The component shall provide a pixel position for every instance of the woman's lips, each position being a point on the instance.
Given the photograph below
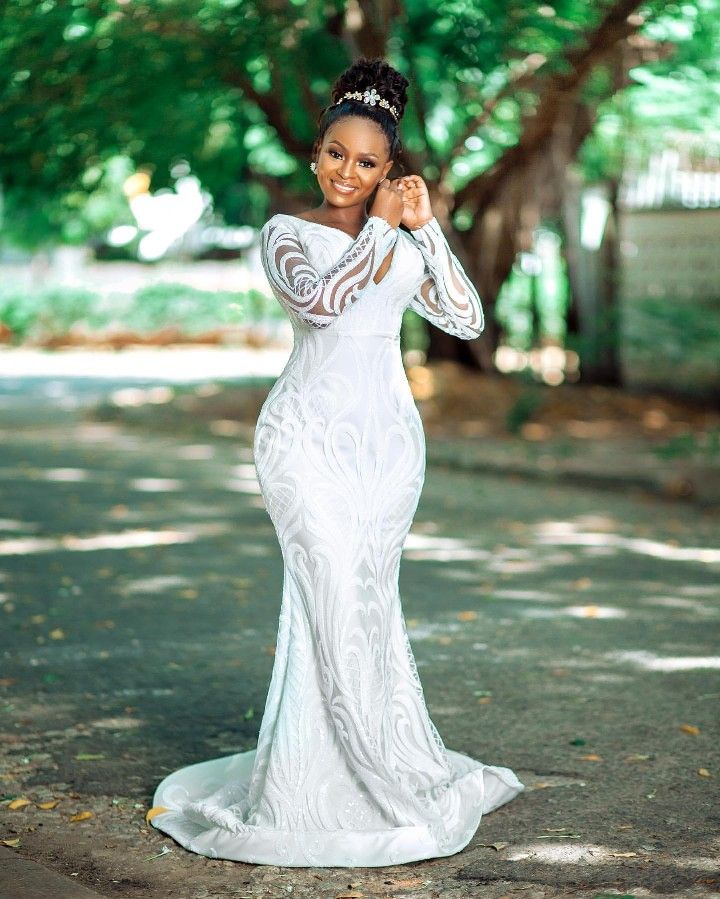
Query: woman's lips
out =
(342, 190)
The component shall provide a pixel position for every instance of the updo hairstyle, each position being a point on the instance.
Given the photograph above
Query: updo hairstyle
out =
(365, 74)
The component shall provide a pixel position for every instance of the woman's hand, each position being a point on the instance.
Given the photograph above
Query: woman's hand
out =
(388, 202)
(416, 201)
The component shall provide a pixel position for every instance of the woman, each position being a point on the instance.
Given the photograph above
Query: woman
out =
(349, 769)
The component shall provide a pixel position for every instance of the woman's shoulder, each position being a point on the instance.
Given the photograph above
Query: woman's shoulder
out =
(290, 219)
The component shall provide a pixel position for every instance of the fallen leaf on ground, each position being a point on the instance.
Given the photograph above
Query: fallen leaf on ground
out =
(467, 616)
(690, 729)
(82, 816)
(18, 803)
(156, 810)
(703, 772)
(164, 851)
(57, 634)
(13, 844)
(591, 757)
(51, 803)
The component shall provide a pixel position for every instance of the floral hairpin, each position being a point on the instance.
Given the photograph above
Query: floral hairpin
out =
(371, 97)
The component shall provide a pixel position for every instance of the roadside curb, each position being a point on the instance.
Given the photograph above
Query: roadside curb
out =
(20, 877)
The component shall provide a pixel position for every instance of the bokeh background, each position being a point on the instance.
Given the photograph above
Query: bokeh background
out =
(560, 581)
(572, 150)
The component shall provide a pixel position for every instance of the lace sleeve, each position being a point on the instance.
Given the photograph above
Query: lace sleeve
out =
(318, 299)
(446, 298)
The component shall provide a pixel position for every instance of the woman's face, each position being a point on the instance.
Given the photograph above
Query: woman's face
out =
(353, 153)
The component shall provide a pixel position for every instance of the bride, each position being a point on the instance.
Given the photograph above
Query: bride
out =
(349, 769)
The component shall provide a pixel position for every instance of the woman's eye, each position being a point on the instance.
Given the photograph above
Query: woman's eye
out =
(335, 153)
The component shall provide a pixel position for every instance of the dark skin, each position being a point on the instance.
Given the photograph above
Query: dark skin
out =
(355, 152)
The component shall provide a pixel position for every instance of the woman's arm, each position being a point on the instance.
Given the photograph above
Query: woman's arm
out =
(446, 297)
(317, 299)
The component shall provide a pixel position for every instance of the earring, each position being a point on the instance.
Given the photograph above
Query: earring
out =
(313, 166)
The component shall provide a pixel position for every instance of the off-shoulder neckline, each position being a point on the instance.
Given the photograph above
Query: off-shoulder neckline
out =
(320, 224)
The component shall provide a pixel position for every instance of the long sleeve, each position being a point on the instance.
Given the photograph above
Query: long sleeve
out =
(314, 298)
(446, 298)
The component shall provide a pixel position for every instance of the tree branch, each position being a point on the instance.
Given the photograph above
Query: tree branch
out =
(617, 24)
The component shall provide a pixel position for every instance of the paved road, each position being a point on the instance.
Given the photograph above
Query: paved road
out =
(569, 634)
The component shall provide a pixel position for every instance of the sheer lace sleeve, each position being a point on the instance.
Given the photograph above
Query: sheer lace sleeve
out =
(446, 298)
(318, 299)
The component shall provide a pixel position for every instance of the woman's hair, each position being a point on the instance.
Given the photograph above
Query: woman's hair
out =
(364, 74)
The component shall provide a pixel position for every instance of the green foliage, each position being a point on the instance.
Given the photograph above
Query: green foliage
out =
(54, 312)
(673, 344)
(674, 331)
(525, 406)
(674, 96)
(533, 305)
(46, 314)
(164, 304)
(691, 446)
(413, 333)
(91, 81)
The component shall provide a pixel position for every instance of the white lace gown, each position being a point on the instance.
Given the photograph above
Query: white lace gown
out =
(349, 769)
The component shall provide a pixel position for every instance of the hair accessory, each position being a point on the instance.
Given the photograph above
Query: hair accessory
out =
(371, 97)
(313, 166)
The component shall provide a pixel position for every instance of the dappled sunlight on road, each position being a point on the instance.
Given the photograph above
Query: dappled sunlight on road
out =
(421, 547)
(592, 854)
(123, 540)
(137, 396)
(65, 474)
(246, 480)
(563, 853)
(157, 584)
(650, 661)
(155, 485)
(589, 611)
(195, 451)
(686, 605)
(568, 533)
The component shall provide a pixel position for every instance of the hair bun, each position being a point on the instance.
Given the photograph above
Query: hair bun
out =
(365, 74)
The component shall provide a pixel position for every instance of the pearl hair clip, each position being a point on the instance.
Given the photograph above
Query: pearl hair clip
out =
(371, 97)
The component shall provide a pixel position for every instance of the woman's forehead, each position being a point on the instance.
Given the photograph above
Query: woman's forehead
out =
(358, 134)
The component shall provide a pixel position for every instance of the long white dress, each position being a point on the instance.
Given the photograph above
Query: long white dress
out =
(349, 769)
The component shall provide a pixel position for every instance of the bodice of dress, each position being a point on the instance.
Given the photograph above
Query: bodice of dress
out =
(324, 278)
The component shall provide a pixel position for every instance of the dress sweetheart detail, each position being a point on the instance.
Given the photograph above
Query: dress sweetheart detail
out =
(349, 768)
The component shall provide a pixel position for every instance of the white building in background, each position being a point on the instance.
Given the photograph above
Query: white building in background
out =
(669, 272)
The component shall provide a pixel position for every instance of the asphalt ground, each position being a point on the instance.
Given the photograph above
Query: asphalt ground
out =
(568, 632)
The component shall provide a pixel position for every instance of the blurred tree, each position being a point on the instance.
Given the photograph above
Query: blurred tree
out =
(503, 97)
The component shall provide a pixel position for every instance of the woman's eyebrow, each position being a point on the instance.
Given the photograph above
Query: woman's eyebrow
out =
(345, 148)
